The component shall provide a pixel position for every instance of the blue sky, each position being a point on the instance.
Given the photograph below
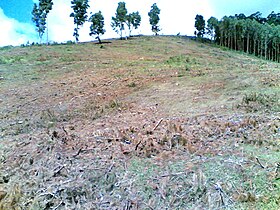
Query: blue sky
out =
(176, 16)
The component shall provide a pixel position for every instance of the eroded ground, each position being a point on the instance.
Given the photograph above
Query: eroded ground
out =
(144, 123)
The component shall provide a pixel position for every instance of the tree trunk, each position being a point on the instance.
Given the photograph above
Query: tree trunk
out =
(265, 48)
(248, 42)
(235, 39)
(99, 40)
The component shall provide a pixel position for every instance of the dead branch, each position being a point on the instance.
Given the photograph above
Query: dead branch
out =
(64, 130)
(58, 170)
(260, 162)
(137, 145)
(158, 124)
(173, 174)
(219, 189)
(110, 168)
(79, 151)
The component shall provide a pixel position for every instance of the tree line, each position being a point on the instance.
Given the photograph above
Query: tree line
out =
(80, 15)
(252, 34)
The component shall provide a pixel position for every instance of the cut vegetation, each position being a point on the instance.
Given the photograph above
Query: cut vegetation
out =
(144, 123)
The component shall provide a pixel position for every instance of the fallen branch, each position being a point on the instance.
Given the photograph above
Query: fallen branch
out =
(173, 174)
(158, 124)
(259, 162)
(58, 170)
(137, 145)
(219, 189)
(79, 151)
(110, 168)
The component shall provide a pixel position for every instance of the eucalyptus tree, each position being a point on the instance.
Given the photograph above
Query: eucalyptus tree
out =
(97, 25)
(118, 22)
(199, 25)
(273, 18)
(213, 28)
(224, 27)
(79, 14)
(46, 7)
(133, 20)
(154, 18)
(258, 17)
(240, 16)
(39, 21)
(39, 16)
(253, 34)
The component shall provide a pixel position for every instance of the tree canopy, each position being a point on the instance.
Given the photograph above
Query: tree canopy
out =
(154, 18)
(199, 25)
(79, 14)
(119, 20)
(97, 25)
(133, 21)
(253, 34)
(39, 16)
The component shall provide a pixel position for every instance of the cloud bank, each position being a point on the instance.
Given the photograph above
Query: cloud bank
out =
(14, 32)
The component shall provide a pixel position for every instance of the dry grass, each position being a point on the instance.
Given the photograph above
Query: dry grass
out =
(145, 123)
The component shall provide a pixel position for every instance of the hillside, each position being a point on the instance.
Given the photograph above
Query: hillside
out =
(145, 123)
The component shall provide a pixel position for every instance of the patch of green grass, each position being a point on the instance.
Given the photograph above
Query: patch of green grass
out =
(264, 181)
(255, 101)
(244, 182)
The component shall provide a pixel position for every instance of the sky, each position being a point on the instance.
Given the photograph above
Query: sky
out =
(176, 16)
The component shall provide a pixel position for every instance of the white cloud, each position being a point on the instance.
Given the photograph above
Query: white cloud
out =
(60, 25)
(14, 32)
(179, 16)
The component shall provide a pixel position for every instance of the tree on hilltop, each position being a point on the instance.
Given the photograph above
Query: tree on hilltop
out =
(213, 27)
(199, 25)
(39, 16)
(79, 14)
(97, 25)
(154, 18)
(119, 20)
(39, 20)
(46, 6)
(133, 21)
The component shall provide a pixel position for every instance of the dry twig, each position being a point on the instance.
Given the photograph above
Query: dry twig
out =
(158, 124)
(260, 162)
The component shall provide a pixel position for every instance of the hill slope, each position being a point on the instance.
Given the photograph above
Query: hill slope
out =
(144, 123)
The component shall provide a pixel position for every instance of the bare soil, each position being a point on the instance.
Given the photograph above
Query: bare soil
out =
(144, 123)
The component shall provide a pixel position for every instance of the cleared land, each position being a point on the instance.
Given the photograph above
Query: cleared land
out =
(144, 123)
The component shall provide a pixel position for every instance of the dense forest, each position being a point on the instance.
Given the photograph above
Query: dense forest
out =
(252, 34)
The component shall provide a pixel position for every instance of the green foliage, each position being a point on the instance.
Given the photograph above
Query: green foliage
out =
(181, 62)
(119, 20)
(199, 25)
(213, 27)
(261, 101)
(133, 21)
(46, 5)
(273, 18)
(79, 14)
(39, 16)
(253, 34)
(154, 18)
(97, 25)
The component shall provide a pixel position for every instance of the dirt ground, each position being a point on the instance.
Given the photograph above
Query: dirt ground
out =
(144, 123)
